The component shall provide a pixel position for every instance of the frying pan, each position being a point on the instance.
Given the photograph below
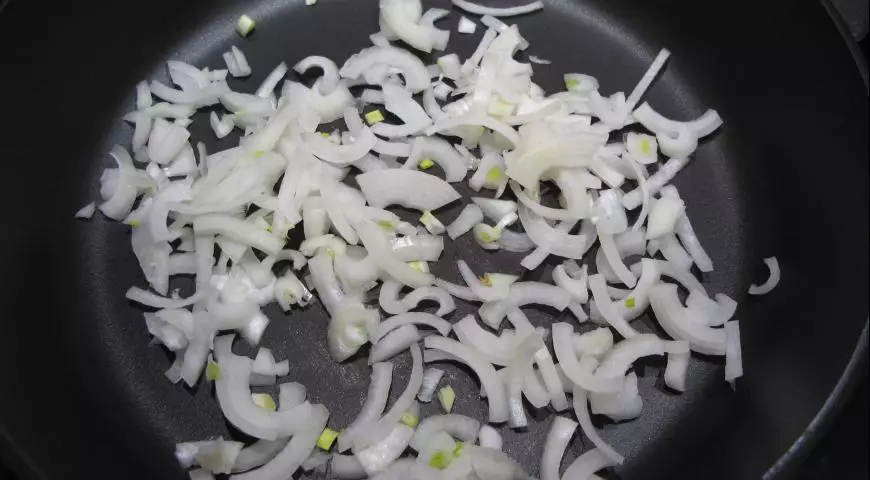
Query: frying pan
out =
(84, 396)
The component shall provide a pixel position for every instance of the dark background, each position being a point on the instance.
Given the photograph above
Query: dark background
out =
(842, 452)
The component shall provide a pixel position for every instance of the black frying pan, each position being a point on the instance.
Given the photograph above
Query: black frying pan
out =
(84, 396)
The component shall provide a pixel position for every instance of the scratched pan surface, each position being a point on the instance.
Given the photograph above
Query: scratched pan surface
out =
(788, 167)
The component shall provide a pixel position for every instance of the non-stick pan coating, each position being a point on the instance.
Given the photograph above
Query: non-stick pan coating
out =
(786, 176)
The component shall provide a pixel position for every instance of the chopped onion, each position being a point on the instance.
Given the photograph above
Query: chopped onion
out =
(408, 188)
(394, 342)
(466, 26)
(495, 392)
(458, 426)
(445, 302)
(560, 434)
(478, 9)
(431, 377)
(587, 464)
(733, 353)
(672, 316)
(373, 407)
(772, 281)
(470, 216)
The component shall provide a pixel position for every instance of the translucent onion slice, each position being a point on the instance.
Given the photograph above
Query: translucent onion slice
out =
(733, 353)
(373, 407)
(441, 152)
(379, 456)
(563, 344)
(408, 188)
(552, 381)
(460, 427)
(496, 395)
(380, 252)
(608, 310)
(558, 243)
(445, 301)
(388, 298)
(412, 68)
(521, 294)
(299, 448)
(470, 216)
(655, 182)
(518, 370)
(771, 282)
(394, 342)
(238, 230)
(376, 431)
(234, 397)
(673, 318)
(560, 434)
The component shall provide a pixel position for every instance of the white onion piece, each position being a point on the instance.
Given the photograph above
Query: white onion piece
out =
(594, 343)
(398, 101)
(675, 371)
(771, 282)
(518, 369)
(466, 26)
(585, 466)
(349, 329)
(476, 120)
(615, 260)
(374, 241)
(494, 209)
(481, 291)
(560, 434)
(496, 350)
(388, 298)
(442, 297)
(120, 201)
(491, 162)
(398, 470)
(346, 467)
(647, 79)
(408, 188)
(412, 68)
(652, 121)
(655, 182)
(609, 312)
(234, 396)
(431, 377)
(521, 294)
(394, 342)
(470, 216)
(149, 299)
(672, 316)
(621, 357)
(558, 243)
(582, 412)
(666, 269)
(733, 353)
(457, 291)
(450, 66)
(238, 230)
(295, 452)
(663, 216)
(441, 152)
(551, 379)
(578, 288)
(496, 395)
(376, 431)
(563, 344)
(511, 241)
(418, 35)
(268, 86)
(236, 62)
(478, 9)
(414, 248)
(692, 244)
(537, 208)
(340, 154)
(143, 95)
(373, 407)
(377, 457)
(489, 438)
(258, 453)
(673, 252)
(329, 80)
(649, 276)
(463, 428)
